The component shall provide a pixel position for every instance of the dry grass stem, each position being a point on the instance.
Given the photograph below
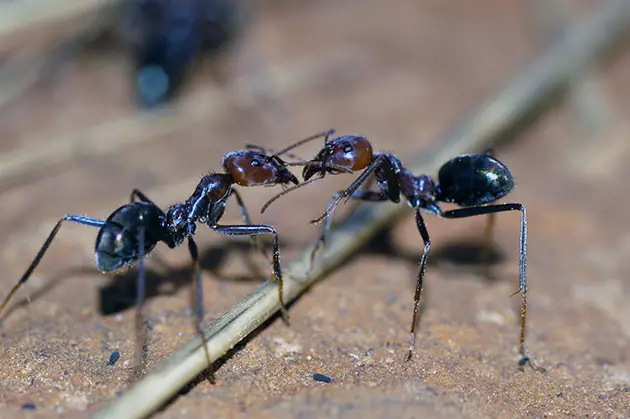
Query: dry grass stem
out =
(207, 103)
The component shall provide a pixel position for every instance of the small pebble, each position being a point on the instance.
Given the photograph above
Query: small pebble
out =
(113, 357)
(322, 378)
(29, 406)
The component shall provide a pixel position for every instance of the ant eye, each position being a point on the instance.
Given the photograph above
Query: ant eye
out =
(256, 163)
(348, 149)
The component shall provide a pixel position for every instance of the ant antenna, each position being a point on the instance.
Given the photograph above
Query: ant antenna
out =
(286, 191)
(277, 153)
(325, 134)
(298, 186)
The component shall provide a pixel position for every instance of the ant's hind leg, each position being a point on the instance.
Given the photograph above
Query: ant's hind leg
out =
(526, 358)
(257, 230)
(137, 193)
(488, 242)
(92, 222)
(488, 234)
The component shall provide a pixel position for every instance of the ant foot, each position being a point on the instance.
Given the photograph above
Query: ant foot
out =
(412, 346)
(531, 361)
(285, 316)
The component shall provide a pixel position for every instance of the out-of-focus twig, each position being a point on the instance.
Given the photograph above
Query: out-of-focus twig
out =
(18, 18)
(591, 114)
(207, 103)
(23, 71)
(524, 99)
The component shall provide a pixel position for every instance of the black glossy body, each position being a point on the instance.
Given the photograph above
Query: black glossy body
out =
(473, 179)
(118, 239)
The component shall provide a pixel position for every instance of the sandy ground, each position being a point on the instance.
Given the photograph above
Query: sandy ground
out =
(400, 73)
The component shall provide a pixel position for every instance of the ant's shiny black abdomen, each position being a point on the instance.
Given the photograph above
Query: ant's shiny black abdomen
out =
(473, 179)
(118, 240)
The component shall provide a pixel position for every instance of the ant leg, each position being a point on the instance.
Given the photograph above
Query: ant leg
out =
(488, 239)
(526, 358)
(247, 220)
(349, 192)
(325, 134)
(354, 204)
(360, 195)
(301, 185)
(92, 222)
(278, 153)
(141, 333)
(257, 230)
(488, 234)
(197, 296)
(137, 193)
(422, 228)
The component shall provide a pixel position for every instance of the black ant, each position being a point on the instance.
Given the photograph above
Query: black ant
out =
(133, 230)
(470, 180)
(166, 36)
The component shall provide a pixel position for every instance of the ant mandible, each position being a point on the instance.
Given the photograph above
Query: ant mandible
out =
(471, 181)
(134, 229)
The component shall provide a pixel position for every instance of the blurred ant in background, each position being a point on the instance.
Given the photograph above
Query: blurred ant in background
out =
(166, 36)
(133, 230)
(471, 181)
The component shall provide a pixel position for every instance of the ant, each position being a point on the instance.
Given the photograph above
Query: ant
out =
(166, 36)
(134, 229)
(471, 181)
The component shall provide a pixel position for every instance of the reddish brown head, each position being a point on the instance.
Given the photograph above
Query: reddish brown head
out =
(254, 168)
(350, 152)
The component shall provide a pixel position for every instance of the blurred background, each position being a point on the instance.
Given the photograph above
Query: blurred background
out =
(99, 97)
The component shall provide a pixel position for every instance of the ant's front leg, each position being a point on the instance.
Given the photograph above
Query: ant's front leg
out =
(257, 230)
(354, 186)
(360, 195)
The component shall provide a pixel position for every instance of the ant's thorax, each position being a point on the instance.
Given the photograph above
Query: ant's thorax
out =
(205, 205)
(394, 179)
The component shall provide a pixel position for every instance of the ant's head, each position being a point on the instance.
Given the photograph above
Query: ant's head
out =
(255, 168)
(176, 222)
(349, 152)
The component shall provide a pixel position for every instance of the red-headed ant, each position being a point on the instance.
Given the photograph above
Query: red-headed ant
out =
(133, 230)
(471, 180)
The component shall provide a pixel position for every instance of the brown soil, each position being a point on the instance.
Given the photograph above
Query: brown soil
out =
(400, 73)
